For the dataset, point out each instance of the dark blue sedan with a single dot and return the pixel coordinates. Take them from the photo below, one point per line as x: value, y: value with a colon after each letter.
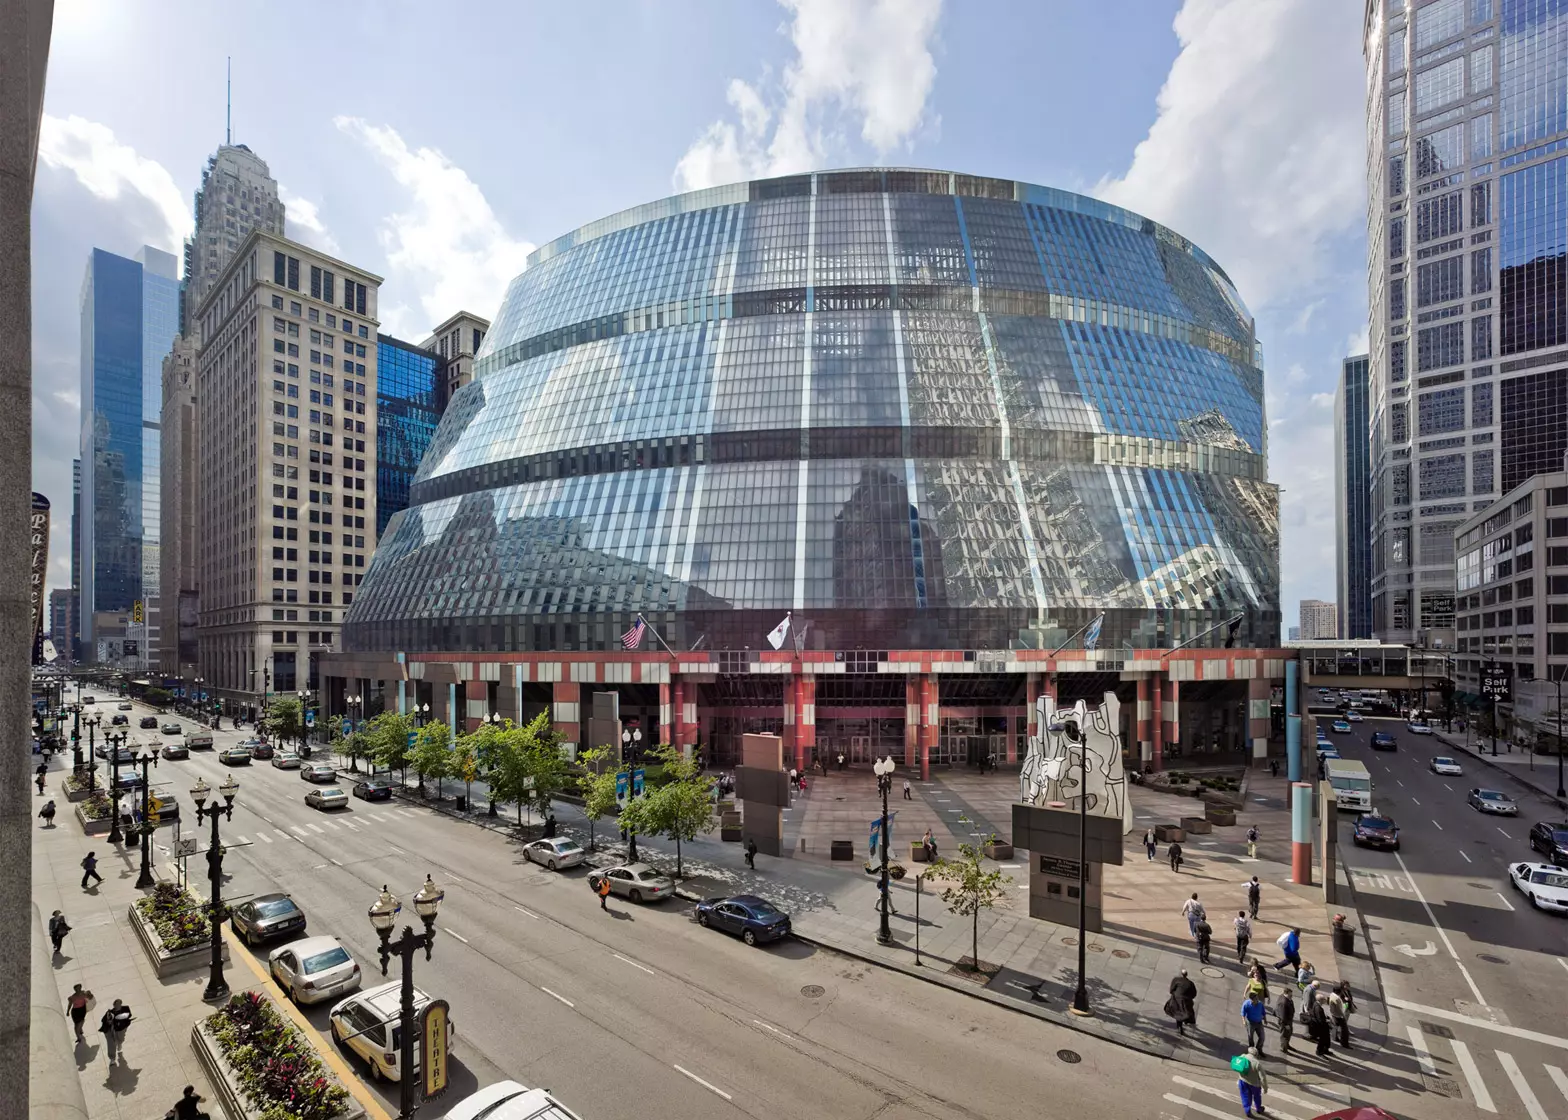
x: 753, y: 919
x: 1373, y: 830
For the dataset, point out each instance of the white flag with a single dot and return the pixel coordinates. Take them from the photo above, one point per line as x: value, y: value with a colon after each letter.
x: 777, y: 634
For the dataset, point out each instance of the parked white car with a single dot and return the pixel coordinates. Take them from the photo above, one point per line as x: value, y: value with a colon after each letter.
x: 1544, y: 885
x: 555, y: 853
x: 507, y: 1100
x: 367, y: 1024
x: 1416, y: 727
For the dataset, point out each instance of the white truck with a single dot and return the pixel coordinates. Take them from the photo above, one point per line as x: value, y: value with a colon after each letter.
x: 1352, y: 784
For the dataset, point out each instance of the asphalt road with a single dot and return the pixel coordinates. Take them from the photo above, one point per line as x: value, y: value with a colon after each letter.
x: 1475, y: 977
x: 640, y: 1012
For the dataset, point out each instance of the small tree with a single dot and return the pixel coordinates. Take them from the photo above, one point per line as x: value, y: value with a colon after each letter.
x: 387, y: 738
x: 284, y: 721
x: 432, y: 754
x: 527, y: 763
x: 973, y: 888
x: 352, y: 744
x: 597, y: 786
x: 465, y: 764
x: 681, y: 808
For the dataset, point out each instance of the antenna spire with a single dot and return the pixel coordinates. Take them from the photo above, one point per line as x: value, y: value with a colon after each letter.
x: 228, y: 101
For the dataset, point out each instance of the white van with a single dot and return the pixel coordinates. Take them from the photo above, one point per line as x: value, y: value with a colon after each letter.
x: 198, y: 740
x: 367, y: 1023
x: 1352, y: 784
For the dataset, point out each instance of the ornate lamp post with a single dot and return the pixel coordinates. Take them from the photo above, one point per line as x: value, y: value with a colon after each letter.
x: 92, y: 723
x: 383, y: 916
x: 492, y: 718
x: 112, y: 743
x: 883, y: 768
x: 147, y: 757
x: 76, y: 736
x: 217, y: 986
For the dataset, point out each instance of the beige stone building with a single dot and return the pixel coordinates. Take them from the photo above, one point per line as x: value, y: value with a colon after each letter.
x: 286, y: 454
x: 177, y: 512
x: 455, y: 342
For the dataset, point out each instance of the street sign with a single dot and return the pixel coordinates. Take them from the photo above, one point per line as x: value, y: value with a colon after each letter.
x: 1494, y: 683
x: 184, y: 846
x: 637, y: 781
x: 411, y: 740
x: 432, y: 1033
x: 621, y: 787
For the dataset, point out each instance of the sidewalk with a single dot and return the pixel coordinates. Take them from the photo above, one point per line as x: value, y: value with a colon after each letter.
x: 1539, y: 772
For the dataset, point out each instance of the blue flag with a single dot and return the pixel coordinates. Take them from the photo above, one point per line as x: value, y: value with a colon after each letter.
x: 1091, y: 637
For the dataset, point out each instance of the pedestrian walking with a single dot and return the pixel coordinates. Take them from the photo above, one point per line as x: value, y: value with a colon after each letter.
x: 47, y: 813
x: 40, y: 776
x: 751, y: 854
x: 604, y: 891
x: 1306, y: 976
x: 1251, y: 1081
x: 58, y: 928
x: 907, y: 795
x: 1340, y: 1005
x: 841, y: 760
x: 114, y: 1023
x: 1254, y: 1012
x: 1205, y: 935
x: 78, y: 1004
x: 1252, y: 842
x: 823, y: 762
x: 794, y: 778
x: 1273, y: 767
x: 1174, y: 851
x: 1290, y: 944
x: 1317, y: 1023
x: 1149, y: 843
x: 1254, y: 896
x: 1285, y: 1016
x: 188, y: 1107
x: 1243, y: 935
x: 1194, y: 912
x: 1183, y: 1003
x: 90, y: 869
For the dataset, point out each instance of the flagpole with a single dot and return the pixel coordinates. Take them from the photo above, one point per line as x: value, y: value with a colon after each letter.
x: 1076, y: 632
x: 659, y: 638
x: 1182, y: 645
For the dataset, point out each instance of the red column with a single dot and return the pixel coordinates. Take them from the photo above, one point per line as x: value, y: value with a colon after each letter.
x: 1173, y: 707
x: 911, y: 720
x: 1031, y: 698
x: 805, y: 719
x: 686, y: 724
x: 1157, y: 720
x: 566, y: 710
x: 666, y: 720
x: 1141, y: 722
x: 930, y: 722
x: 790, y: 729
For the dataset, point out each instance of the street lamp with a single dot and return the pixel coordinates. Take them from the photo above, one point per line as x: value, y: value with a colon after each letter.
x: 111, y: 746
x: 147, y: 757
x: 217, y: 986
x: 93, y: 722
x: 383, y: 916
x: 1075, y: 735
x: 303, y: 697
x: 883, y: 768
x: 76, y: 736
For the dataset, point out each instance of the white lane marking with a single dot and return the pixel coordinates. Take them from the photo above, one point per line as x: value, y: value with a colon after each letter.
x: 1503, y: 900
x: 1483, y: 1099
x: 1206, y: 1110
x: 1484, y: 1024
x: 634, y: 964
x: 520, y: 910
x: 1423, y: 1051
x: 554, y: 995
x: 408, y: 813
x: 1441, y: 932
x: 383, y: 818
x: 241, y: 840
x: 1559, y: 1078
x: 1448, y: 787
x: 395, y: 850
x: 283, y: 834
x: 453, y: 879
x: 1466, y: 858
x: 263, y: 837
x: 459, y: 936
x: 1439, y: 827
x: 316, y: 828
x: 1562, y: 962
x: 1229, y: 1094
x: 1399, y: 783
x: 298, y: 829
x: 1417, y: 802
x: 335, y: 863
x: 351, y: 826
x: 715, y: 1088
x: 1503, y: 831
x: 1521, y: 1086
x: 770, y: 1027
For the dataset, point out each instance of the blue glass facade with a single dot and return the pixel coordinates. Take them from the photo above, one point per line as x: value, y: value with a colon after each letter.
x: 129, y: 316
x: 1353, y: 497
x: 915, y: 408
x: 408, y: 389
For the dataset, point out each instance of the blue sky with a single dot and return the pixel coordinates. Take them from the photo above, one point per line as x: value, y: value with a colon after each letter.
x: 438, y: 152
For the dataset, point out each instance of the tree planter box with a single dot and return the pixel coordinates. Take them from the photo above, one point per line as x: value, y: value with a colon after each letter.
x: 1196, y: 826
x: 998, y: 850
x: 93, y: 828
x: 74, y: 794
x: 729, y: 826
x: 169, y: 962
x: 1223, y: 817
x: 917, y: 852
x: 1169, y: 834
x: 225, y: 1082
x: 841, y: 850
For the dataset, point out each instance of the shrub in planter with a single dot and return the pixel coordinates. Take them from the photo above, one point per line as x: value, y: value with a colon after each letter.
x: 98, y: 807
x: 276, y: 1067
x: 180, y: 920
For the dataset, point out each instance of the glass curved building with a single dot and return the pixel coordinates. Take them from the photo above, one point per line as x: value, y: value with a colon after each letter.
x: 910, y: 409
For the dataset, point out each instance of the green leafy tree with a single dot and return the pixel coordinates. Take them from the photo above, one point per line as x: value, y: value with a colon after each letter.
x: 432, y: 755
x: 972, y: 888
x: 527, y: 764
x: 353, y: 744
x: 681, y: 807
x: 597, y: 785
x: 465, y: 764
x: 387, y: 739
x: 284, y: 722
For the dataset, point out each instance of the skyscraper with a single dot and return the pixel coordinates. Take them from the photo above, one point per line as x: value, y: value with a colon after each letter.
x: 1319, y: 620
x: 177, y: 533
x: 237, y: 194
x: 1467, y: 195
x: 1353, y: 500
x: 409, y: 392
x: 130, y: 313
x: 456, y: 342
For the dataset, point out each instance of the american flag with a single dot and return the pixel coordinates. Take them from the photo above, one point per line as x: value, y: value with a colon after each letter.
x: 633, y: 637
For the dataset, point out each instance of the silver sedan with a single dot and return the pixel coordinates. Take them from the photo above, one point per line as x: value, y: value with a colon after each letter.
x: 555, y: 853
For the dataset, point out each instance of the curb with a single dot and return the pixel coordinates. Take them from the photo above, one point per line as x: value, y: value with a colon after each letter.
x: 1376, y: 1033
x: 1486, y: 760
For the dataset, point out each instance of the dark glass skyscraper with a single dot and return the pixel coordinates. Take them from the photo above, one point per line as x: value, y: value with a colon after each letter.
x: 408, y: 392
x: 1353, y: 499
x: 130, y: 315
x: 912, y: 409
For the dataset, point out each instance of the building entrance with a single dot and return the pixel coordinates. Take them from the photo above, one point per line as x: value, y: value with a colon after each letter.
x: 862, y: 739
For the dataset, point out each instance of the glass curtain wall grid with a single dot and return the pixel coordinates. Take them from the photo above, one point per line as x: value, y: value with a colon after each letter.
x: 916, y: 409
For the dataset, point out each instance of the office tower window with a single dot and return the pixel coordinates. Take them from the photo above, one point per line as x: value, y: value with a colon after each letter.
x: 1533, y: 256
x: 1440, y: 152
x: 1396, y: 299
x: 280, y: 264
x: 1481, y: 271
x: 293, y: 274
x: 1396, y: 239
x: 1396, y: 176
x: 1398, y: 425
x: 1481, y: 70
x: 1396, y: 114
x: 1396, y: 359
x: 315, y: 282
x: 1440, y: 85
x: 1439, y: 21
x: 1481, y: 338
x: 1440, y: 346
x: 1401, y: 492
x: 1481, y: 203
x: 1441, y: 411
x: 1481, y: 405
x: 1442, y: 476
x: 1481, y: 472
x: 1440, y: 281
x: 1481, y: 137
x: 1439, y: 217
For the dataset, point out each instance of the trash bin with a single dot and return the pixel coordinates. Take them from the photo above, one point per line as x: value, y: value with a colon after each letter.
x: 1344, y: 937
x: 462, y: 804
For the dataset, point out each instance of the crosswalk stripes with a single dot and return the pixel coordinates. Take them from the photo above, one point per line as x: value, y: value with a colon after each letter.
x: 282, y: 835
x: 1478, y: 1090
x: 317, y: 829
x: 241, y: 840
x: 351, y: 826
x: 1232, y: 1097
x: 1521, y: 1086
x: 1469, y: 1067
x: 333, y: 825
x: 1560, y: 1079
x: 263, y: 837
x: 298, y: 829
x: 1423, y: 1052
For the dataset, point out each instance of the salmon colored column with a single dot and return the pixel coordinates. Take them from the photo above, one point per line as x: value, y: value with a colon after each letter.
x: 1157, y: 721
x: 1031, y: 698
x: 566, y: 710
x: 1173, y: 708
x: 911, y: 720
x: 805, y: 719
x: 1141, y: 723
x: 666, y: 716
x: 930, y: 722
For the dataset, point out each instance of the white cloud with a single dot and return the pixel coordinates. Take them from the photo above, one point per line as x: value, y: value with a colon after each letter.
x: 112, y: 171
x: 1256, y: 152
x: 865, y: 62
x: 304, y: 222
x: 1323, y: 400
x: 449, y: 246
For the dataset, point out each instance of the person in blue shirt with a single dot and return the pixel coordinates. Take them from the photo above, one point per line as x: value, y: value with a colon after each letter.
x: 1291, y: 944
x: 1253, y: 1011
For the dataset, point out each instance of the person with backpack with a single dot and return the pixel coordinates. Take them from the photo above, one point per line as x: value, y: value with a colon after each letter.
x: 1254, y: 896
x: 1285, y: 1014
x: 1194, y: 912
x: 47, y: 813
x: 90, y: 869
x: 114, y: 1023
x: 1174, y: 851
x: 1251, y: 1081
x: 58, y: 928
x: 1205, y: 933
x: 1182, y: 1006
x: 1290, y: 944
x: 1252, y: 842
x: 1243, y: 935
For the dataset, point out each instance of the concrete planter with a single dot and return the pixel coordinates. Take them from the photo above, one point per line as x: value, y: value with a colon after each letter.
x: 917, y: 852
x: 1219, y: 815
x: 1196, y: 826
x: 167, y: 962
x: 841, y: 850
x: 93, y: 828
x: 998, y: 850
x: 226, y: 1085
x: 74, y: 795
x: 1169, y: 834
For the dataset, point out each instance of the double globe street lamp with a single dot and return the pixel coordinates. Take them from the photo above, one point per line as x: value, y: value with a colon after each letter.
x: 147, y: 758
x: 883, y: 768
x: 383, y: 916
x: 217, y: 986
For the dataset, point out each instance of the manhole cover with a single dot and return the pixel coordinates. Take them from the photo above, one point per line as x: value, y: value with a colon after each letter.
x: 1096, y: 948
x: 1436, y: 1030
x: 812, y: 991
x: 1069, y: 941
x: 1071, y: 1057
x: 1210, y: 970
x: 1122, y: 953
x: 1491, y: 959
x: 1447, y: 1086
